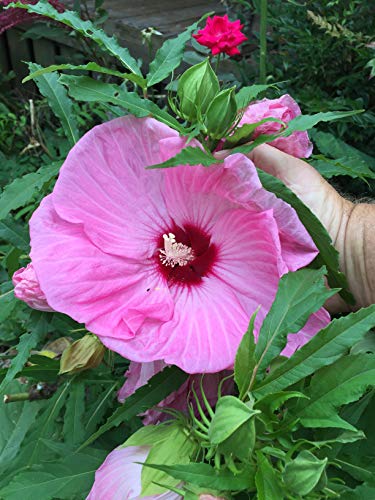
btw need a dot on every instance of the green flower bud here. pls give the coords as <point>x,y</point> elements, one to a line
<point>221,113</point>
<point>83,354</point>
<point>196,89</point>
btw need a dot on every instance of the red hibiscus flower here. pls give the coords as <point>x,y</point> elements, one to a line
<point>221,35</point>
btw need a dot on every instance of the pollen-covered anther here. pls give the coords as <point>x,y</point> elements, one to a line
<point>175,254</point>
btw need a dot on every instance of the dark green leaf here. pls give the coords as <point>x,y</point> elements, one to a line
<point>22,190</point>
<point>328,255</point>
<point>245,361</point>
<point>323,349</point>
<point>243,134</point>
<point>74,430</point>
<point>189,156</point>
<point>352,167</point>
<point>202,474</point>
<point>267,480</point>
<point>305,122</point>
<point>58,101</point>
<point>157,389</point>
<point>15,234</point>
<point>85,28</point>
<point>248,94</point>
<point>7,300</point>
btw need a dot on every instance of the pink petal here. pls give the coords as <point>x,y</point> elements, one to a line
<point>137,376</point>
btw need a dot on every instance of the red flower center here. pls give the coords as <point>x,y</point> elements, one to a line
<point>185,255</point>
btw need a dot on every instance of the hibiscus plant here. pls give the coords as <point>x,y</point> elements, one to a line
<point>199,275</point>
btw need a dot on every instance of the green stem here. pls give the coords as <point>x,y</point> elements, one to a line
<point>217,63</point>
<point>15,398</point>
<point>263,41</point>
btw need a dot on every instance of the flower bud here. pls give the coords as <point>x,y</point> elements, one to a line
<point>27,288</point>
<point>221,113</point>
<point>196,89</point>
<point>83,354</point>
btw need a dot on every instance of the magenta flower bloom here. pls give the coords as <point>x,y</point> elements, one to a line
<point>27,288</point>
<point>140,373</point>
<point>119,477</point>
<point>164,264</point>
<point>221,35</point>
<point>284,108</point>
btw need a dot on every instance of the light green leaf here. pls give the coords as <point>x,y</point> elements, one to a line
<point>202,474</point>
<point>27,342</point>
<point>267,480</point>
<point>58,101</point>
<point>170,55</point>
<point>305,122</point>
<point>331,387</point>
<point>91,66</point>
<point>22,190</point>
<point>15,234</point>
<point>299,294</point>
<point>84,88</point>
<point>245,361</point>
<point>85,28</point>
<point>148,435</point>
<point>63,479</point>
<point>328,255</point>
<point>177,447</point>
<point>243,134</point>
<point>248,94</point>
<point>157,389</point>
<point>302,474</point>
<point>323,349</point>
<point>189,156</point>
<point>230,414</point>
<point>73,429</point>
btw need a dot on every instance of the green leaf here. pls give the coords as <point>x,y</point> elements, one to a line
<point>202,474</point>
<point>27,342</point>
<point>352,167</point>
<point>157,389</point>
<point>302,474</point>
<point>74,430</point>
<point>15,420</point>
<point>305,122</point>
<point>267,480</point>
<point>248,94</point>
<point>91,66</point>
<point>189,156</point>
<point>331,387</point>
<point>323,349</point>
<point>170,55</point>
<point>299,294</point>
<point>363,492</point>
<point>15,234</point>
<point>102,404</point>
<point>230,414</point>
<point>19,192</point>
<point>177,447</point>
<point>42,368</point>
<point>243,134</point>
<point>7,300</point>
<point>63,479</point>
<point>58,101</point>
<point>84,88</point>
<point>328,255</point>
<point>245,360</point>
<point>148,435</point>
<point>85,28</point>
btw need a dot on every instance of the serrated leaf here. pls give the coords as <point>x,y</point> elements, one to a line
<point>267,480</point>
<point>323,349</point>
<point>42,369</point>
<point>15,234</point>
<point>305,122</point>
<point>62,479</point>
<point>73,429</point>
<point>101,406</point>
<point>202,474</point>
<point>85,28</point>
<point>84,88</point>
<point>334,386</point>
<point>22,190</point>
<point>7,300</point>
<point>248,94</point>
<point>27,342</point>
<point>91,66</point>
<point>299,294</point>
<point>243,134</point>
<point>328,255</point>
<point>157,389</point>
<point>351,167</point>
<point>170,55</point>
<point>59,102</point>
<point>245,360</point>
<point>189,156</point>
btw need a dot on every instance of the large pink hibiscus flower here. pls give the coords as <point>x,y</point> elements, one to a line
<point>164,264</point>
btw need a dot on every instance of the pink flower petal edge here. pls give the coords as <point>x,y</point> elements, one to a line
<point>27,288</point>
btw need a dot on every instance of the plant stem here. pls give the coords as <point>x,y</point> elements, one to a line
<point>263,41</point>
<point>14,398</point>
<point>218,57</point>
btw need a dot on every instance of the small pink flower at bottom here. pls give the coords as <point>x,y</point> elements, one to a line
<point>284,108</point>
<point>140,373</point>
<point>221,35</point>
<point>27,288</point>
<point>119,476</point>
